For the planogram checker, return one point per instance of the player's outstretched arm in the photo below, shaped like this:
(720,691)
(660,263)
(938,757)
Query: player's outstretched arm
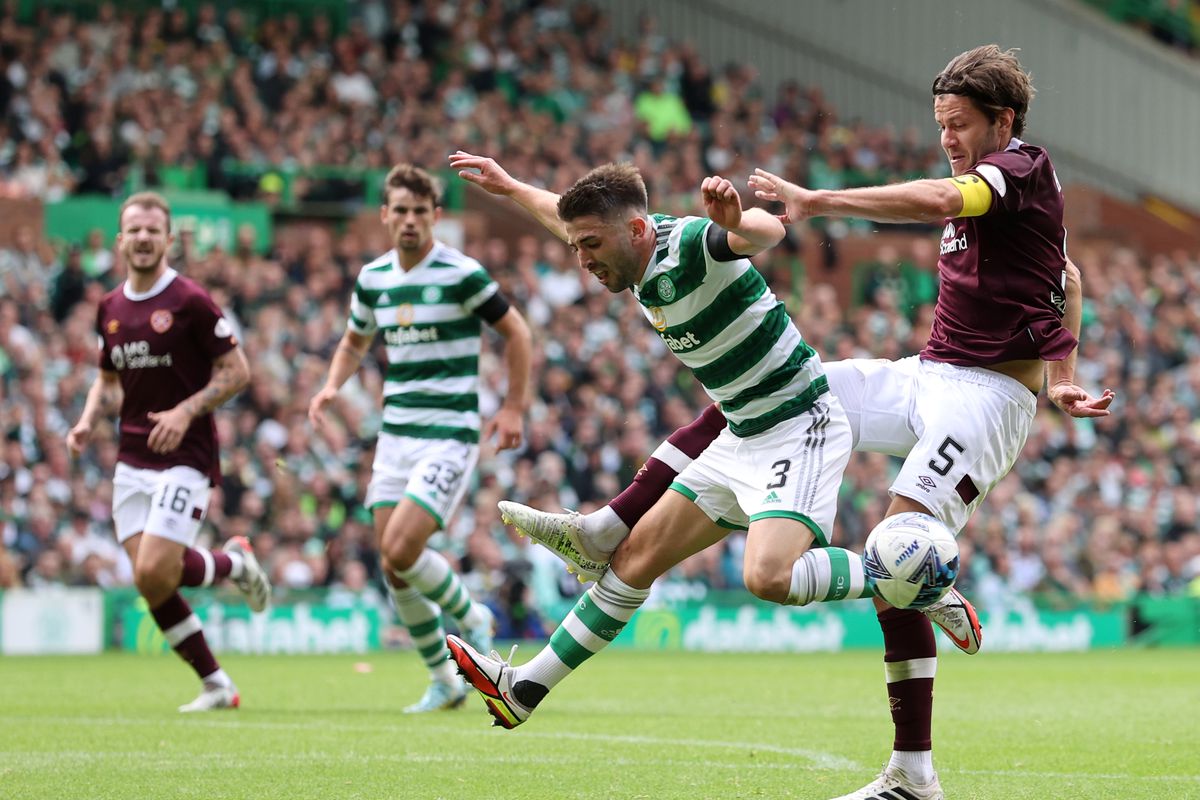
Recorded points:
(541,204)
(1060,375)
(346,358)
(915,201)
(751,230)
(230,374)
(508,423)
(103,398)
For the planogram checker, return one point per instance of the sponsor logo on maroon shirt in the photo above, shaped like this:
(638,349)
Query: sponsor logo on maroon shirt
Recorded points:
(162,345)
(1002,275)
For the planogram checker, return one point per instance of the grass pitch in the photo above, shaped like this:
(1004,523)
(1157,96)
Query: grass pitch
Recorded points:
(629,725)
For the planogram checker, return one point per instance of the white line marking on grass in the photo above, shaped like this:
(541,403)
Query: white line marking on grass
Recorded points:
(153,761)
(1091,776)
(819,759)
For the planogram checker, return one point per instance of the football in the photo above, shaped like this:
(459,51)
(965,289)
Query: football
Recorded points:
(912,559)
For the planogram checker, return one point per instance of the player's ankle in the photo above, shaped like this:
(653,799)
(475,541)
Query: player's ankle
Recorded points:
(528,693)
(605,528)
(916,765)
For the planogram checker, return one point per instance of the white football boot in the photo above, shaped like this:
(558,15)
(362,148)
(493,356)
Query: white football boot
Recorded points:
(491,676)
(893,785)
(439,697)
(480,637)
(562,534)
(213,697)
(955,615)
(254,583)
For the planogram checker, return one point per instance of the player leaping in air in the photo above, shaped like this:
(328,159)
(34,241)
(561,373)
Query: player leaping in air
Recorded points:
(168,359)
(430,302)
(1006,324)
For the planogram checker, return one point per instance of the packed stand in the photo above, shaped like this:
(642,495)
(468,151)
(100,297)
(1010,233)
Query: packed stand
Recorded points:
(1174,23)
(1101,510)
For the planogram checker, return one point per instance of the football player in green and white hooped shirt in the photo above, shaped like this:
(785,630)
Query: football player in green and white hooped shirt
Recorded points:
(429,300)
(775,470)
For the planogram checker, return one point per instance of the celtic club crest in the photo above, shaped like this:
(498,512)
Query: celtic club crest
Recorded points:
(666,289)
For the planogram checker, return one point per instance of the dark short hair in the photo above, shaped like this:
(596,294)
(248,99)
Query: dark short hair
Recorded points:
(993,79)
(416,180)
(604,192)
(145,200)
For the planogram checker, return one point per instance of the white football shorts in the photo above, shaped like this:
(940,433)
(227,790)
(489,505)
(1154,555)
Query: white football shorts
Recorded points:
(433,473)
(959,429)
(793,470)
(169,503)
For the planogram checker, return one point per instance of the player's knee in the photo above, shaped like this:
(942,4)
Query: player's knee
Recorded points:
(153,582)
(634,561)
(766,582)
(401,552)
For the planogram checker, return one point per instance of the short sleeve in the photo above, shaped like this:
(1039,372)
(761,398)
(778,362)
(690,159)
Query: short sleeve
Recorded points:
(1013,178)
(214,332)
(691,243)
(105,359)
(362,315)
(477,288)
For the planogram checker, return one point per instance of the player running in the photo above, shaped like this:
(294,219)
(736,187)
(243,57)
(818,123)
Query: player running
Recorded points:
(776,464)
(1008,312)
(429,301)
(168,359)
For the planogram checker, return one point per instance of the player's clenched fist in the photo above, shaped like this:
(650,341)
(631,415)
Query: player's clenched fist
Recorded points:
(491,176)
(722,203)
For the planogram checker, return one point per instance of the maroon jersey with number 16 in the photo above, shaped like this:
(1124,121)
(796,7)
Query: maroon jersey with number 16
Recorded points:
(1003,274)
(162,344)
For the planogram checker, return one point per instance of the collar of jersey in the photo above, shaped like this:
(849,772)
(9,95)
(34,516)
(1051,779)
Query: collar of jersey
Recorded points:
(648,271)
(162,283)
(1014,144)
(420,265)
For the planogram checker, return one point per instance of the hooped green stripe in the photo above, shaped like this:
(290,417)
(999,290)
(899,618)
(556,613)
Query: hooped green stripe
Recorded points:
(747,352)
(465,435)
(468,401)
(718,315)
(462,367)
(792,408)
(777,379)
(569,651)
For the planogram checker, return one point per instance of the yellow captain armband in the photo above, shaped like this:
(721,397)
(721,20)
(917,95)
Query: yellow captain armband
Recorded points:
(976,195)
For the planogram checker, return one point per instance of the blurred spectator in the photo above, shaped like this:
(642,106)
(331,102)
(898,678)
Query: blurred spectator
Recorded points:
(1102,509)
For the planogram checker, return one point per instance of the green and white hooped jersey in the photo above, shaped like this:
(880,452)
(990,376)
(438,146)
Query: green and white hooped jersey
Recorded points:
(723,322)
(433,339)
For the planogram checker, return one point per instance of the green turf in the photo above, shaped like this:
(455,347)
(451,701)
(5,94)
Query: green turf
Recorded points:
(630,725)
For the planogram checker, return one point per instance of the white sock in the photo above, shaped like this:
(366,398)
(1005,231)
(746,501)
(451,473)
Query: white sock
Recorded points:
(237,565)
(444,673)
(433,577)
(423,620)
(917,765)
(827,574)
(606,528)
(218,678)
(575,641)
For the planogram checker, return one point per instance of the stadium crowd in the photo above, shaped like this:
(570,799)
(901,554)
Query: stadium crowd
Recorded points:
(1094,510)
